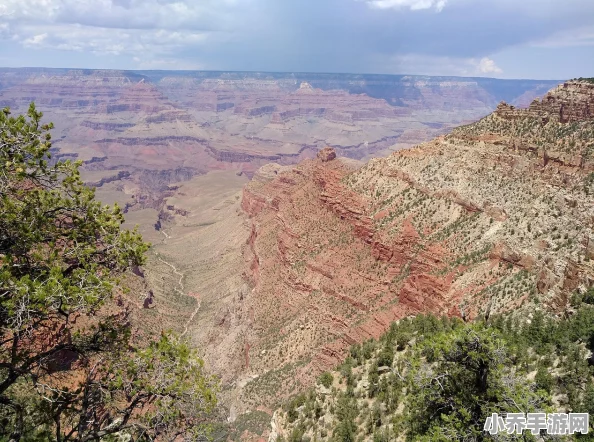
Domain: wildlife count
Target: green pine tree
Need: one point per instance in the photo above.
(68, 368)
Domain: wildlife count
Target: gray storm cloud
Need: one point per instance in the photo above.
(460, 36)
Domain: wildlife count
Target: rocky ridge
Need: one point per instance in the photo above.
(460, 226)
(567, 103)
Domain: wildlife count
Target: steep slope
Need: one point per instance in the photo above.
(421, 380)
(495, 216)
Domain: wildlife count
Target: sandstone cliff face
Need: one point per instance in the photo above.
(455, 226)
(570, 102)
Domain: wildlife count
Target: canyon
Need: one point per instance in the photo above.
(494, 217)
(215, 120)
(137, 132)
(279, 240)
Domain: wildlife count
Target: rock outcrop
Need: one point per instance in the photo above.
(326, 154)
(570, 102)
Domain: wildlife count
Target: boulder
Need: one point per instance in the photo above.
(327, 154)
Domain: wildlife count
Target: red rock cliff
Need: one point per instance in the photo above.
(469, 224)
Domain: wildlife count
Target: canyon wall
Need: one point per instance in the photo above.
(135, 121)
(328, 252)
(457, 226)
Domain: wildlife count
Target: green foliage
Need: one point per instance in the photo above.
(255, 422)
(68, 368)
(587, 298)
(447, 376)
(586, 80)
(460, 378)
(292, 406)
(386, 356)
(326, 379)
(382, 435)
(544, 380)
(296, 435)
(373, 378)
(346, 429)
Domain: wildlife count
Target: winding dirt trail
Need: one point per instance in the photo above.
(191, 318)
(181, 276)
(180, 291)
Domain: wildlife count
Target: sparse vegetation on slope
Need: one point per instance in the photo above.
(438, 379)
(495, 217)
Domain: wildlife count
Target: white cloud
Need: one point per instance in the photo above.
(339, 35)
(414, 5)
(436, 65)
(140, 14)
(117, 27)
(487, 66)
(148, 42)
(5, 31)
(4, 11)
(36, 40)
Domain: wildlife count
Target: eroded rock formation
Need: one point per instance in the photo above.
(326, 154)
(469, 224)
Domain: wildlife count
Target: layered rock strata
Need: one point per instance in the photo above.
(495, 216)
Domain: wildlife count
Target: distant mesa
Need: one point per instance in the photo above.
(327, 154)
(208, 121)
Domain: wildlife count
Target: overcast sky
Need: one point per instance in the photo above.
(544, 39)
